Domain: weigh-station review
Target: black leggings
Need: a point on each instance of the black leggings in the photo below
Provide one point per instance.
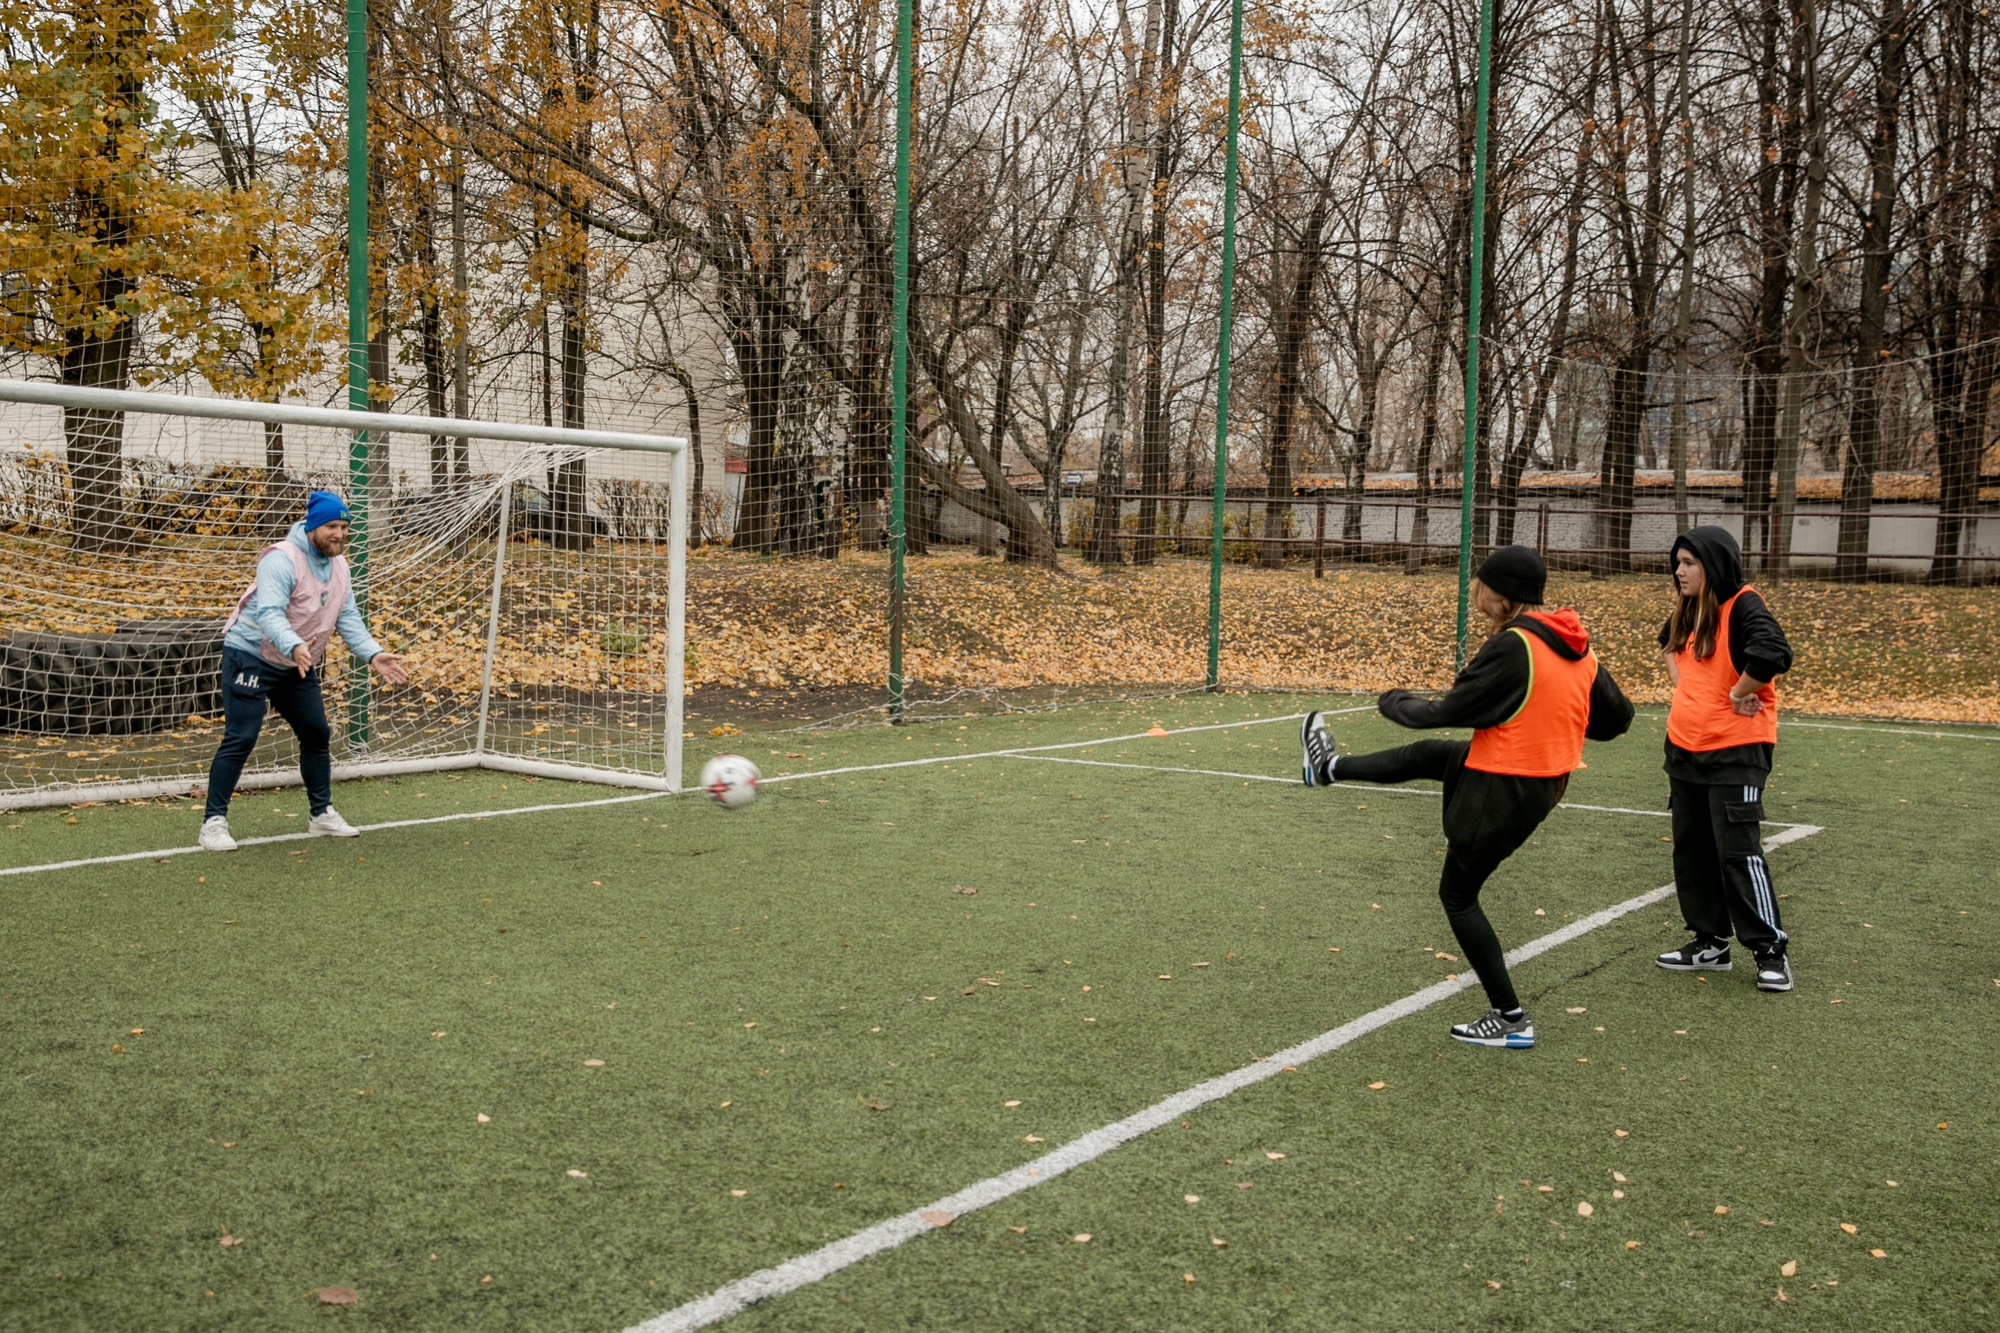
(1487, 817)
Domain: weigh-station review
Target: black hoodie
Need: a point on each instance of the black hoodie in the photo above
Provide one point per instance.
(1757, 648)
(1494, 684)
(1490, 814)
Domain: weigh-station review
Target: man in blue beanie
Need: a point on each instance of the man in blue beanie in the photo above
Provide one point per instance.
(273, 653)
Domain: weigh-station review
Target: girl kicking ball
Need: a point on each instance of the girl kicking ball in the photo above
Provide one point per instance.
(1723, 648)
(1531, 695)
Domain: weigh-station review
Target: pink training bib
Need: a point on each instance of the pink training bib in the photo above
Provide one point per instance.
(314, 609)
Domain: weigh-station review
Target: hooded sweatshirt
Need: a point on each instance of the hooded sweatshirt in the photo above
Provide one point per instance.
(264, 618)
(1757, 648)
(1494, 684)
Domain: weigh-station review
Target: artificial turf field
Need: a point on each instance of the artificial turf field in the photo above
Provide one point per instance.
(879, 986)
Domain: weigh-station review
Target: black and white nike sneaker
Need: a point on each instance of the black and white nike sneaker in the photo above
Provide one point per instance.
(1697, 956)
(1774, 972)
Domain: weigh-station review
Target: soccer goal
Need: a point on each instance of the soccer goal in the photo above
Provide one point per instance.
(533, 579)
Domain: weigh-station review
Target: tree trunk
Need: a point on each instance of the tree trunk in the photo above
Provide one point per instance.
(1427, 415)
(1974, 369)
(381, 386)
(1641, 234)
(1355, 470)
(431, 337)
(1864, 425)
(1684, 298)
(1027, 540)
(1153, 415)
(1507, 492)
(1106, 546)
(1057, 445)
(1961, 306)
(274, 447)
(1294, 323)
(381, 389)
(1776, 190)
(869, 445)
(681, 377)
(461, 305)
(98, 354)
(1805, 289)
(1625, 417)
(569, 512)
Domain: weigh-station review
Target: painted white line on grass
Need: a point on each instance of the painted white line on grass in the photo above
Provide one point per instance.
(1897, 731)
(1021, 750)
(824, 1262)
(1384, 789)
(184, 849)
(187, 849)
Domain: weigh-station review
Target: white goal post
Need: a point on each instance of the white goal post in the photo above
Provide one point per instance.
(533, 579)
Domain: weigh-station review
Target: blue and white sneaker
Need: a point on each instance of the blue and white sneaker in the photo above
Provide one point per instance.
(1494, 1028)
(1316, 742)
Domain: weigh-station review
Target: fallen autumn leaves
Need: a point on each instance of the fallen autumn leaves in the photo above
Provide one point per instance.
(1888, 650)
(1883, 650)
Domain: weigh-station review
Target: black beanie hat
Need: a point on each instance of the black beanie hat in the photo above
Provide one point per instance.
(1516, 573)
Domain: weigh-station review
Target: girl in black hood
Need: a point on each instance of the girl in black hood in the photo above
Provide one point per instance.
(1723, 648)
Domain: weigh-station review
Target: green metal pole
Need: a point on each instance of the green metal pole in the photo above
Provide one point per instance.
(1222, 346)
(357, 337)
(899, 364)
(1468, 474)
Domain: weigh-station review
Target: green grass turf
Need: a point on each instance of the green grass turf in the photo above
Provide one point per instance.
(811, 962)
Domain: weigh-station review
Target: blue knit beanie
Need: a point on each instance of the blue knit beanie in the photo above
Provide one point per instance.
(325, 507)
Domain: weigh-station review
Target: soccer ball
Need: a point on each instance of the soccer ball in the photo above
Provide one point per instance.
(730, 780)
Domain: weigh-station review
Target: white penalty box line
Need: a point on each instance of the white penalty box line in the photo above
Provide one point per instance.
(807, 1269)
(186, 849)
(1014, 752)
(1386, 789)
(1047, 752)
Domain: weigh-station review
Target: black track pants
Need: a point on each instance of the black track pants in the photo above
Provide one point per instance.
(1719, 872)
(249, 684)
(1486, 819)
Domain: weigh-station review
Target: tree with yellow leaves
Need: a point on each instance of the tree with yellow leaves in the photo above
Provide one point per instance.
(116, 267)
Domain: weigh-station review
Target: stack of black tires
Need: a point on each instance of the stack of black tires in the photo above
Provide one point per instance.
(147, 675)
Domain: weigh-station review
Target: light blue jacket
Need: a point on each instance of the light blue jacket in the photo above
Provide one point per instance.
(265, 617)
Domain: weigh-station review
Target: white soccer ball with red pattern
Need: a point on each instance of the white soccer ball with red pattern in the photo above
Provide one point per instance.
(730, 780)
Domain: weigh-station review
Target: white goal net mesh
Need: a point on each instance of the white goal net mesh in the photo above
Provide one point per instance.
(530, 589)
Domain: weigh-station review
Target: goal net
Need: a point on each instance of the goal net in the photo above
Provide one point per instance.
(532, 579)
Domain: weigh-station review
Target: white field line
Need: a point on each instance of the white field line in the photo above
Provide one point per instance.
(184, 849)
(1658, 716)
(1044, 749)
(1383, 789)
(1898, 731)
(824, 1262)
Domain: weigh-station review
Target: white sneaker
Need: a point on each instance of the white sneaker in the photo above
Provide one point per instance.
(328, 824)
(215, 835)
(1316, 743)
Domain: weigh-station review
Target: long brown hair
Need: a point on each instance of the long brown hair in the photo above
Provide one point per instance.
(1508, 608)
(1698, 617)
